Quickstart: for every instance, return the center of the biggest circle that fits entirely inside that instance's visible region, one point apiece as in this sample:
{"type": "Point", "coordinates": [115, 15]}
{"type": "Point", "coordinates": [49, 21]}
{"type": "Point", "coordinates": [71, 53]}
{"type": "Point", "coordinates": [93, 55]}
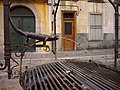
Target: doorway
{"type": "Point", "coordinates": [24, 19]}
{"type": "Point", "coordinates": [68, 30]}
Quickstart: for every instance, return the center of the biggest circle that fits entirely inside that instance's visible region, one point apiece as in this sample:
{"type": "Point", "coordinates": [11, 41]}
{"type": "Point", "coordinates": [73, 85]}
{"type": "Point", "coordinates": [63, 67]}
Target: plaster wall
{"type": "Point", "coordinates": [82, 21]}
{"type": "Point", "coordinates": [1, 31]}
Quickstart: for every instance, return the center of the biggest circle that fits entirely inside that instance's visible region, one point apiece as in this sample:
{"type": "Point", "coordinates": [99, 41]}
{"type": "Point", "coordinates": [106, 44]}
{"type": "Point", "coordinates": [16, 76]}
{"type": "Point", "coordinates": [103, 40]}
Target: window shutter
{"type": "Point", "coordinates": [95, 24]}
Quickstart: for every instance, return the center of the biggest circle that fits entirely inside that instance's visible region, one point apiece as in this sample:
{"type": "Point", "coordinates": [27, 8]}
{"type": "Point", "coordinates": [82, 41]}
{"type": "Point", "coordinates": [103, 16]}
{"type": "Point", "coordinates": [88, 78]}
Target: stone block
{"type": "Point", "coordinates": [10, 84]}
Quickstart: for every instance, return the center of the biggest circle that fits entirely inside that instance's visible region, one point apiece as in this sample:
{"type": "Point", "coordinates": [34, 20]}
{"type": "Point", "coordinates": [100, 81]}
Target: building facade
{"type": "Point", "coordinates": [79, 24]}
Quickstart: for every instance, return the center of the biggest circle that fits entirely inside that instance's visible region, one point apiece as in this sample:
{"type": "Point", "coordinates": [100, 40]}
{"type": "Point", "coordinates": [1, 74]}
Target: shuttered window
{"type": "Point", "coordinates": [95, 27]}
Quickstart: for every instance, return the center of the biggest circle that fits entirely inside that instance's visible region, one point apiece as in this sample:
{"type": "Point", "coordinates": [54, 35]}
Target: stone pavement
{"type": "Point", "coordinates": [69, 54]}
{"type": "Point", "coordinates": [105, 56]}
{"type": "Point", "coordinates": [102, 56]}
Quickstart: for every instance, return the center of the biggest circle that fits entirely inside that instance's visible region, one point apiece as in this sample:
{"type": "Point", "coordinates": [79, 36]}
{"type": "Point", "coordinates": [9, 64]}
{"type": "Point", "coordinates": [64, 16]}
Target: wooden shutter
{"type": "Point", "coordinates": [95, 24]}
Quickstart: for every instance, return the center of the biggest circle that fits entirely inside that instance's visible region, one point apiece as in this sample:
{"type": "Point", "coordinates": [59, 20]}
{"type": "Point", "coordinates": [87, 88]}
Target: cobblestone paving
{"type": "Point", "coordinates": [103, 56]}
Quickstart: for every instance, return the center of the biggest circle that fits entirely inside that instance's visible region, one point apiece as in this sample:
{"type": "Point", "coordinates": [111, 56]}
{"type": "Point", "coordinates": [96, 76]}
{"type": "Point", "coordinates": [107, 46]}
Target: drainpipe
{"type": "Point", "coordinates": [55, 13]}
{"type": "Point", "coordinates": [52, 23]}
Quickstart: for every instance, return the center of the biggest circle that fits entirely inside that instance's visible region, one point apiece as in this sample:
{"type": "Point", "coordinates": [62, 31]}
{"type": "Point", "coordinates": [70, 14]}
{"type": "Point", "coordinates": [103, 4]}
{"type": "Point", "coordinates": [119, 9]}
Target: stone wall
{"type": "Point", "coordinates": [106, 43]}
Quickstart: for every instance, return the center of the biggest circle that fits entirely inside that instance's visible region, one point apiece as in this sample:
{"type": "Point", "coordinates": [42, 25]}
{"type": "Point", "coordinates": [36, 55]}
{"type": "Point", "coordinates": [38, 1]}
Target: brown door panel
{"type": "Point", "coordinates": [68, 39]}
{"type": "Point", "coordinates": [68, 45]}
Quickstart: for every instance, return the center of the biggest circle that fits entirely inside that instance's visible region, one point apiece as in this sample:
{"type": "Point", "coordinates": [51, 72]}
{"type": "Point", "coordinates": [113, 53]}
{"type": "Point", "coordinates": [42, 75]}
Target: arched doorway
{"type": "Point", "coordinates": [24, 19]}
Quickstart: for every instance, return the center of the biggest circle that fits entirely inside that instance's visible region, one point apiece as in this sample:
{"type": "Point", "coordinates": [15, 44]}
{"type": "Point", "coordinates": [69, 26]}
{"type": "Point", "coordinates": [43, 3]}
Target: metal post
{"type": "Point", "coordinates": [52, 26]}
{"type": "Point", "coordinates": [115, 5]}
{"type": "Point", "coordinates": [7, 50]}
{"type": "Point", "coordinates": [55, 13]}
{"type": "Point", "coordinates": [116, 34]}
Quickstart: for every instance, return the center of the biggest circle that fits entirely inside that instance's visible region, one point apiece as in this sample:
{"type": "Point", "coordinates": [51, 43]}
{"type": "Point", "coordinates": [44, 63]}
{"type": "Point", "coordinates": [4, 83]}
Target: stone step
{"type": "Point", "coordinates": [10, 84]}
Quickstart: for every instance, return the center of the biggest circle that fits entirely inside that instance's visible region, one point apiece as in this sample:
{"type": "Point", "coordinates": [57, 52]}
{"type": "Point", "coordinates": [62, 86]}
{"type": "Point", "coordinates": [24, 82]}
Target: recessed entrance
{"type": "Point", "coordinates": [68, 30]}
{"type": "Point", "coordinates": [24, 19]}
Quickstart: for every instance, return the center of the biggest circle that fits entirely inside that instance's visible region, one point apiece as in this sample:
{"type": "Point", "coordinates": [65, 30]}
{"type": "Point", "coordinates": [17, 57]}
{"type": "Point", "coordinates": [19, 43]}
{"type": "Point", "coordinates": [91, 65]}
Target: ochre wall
{"type": "Point", "coordinates": [43, 11]}
{"type": "Point", "coordinates": [1, 31]}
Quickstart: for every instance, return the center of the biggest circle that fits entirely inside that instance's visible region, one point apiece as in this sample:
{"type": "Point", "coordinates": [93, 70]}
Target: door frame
{"type": "Point", "coordinates": [74, 26]}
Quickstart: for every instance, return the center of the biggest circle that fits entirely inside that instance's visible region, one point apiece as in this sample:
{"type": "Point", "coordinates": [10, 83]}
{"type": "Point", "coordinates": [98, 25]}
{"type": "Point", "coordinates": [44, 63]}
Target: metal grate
{"type": "Point", "coordinates": [65, 76]}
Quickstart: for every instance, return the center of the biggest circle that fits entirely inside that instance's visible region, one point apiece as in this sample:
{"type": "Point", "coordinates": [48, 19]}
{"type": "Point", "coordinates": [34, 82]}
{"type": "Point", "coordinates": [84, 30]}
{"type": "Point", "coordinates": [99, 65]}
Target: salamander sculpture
{"type": "Point", "coordinates": [32, 35]}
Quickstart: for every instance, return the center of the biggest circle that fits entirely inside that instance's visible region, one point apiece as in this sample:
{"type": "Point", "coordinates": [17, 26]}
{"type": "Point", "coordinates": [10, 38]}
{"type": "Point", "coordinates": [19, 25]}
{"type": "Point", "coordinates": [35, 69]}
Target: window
{"type": "Point", "coordinates": [68, 15]}
{"type": "Point", "coordinates": [95, 27]}
{"type": "Point", "coordinates": [68, 28]}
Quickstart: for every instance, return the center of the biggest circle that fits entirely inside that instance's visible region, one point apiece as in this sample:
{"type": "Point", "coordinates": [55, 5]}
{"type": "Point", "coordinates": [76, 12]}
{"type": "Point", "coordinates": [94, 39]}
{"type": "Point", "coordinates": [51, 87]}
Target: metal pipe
{"type": "Point", "coordinates": [55, 13]}
{"type": "Point", "coordinates": [7, 49]}
{"type": "Point", "coordinates": [116, 34]}
{"type": "Point", "coordinates": [116, 8]}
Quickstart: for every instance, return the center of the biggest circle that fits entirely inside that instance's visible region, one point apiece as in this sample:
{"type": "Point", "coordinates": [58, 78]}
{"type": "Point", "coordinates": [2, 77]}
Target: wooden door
{"type": "Point", "coordinates": [68, 31]}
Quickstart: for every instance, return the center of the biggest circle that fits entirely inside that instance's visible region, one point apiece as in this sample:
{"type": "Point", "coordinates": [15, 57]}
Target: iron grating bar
{"type": "Point", "coordinates": [26, 79]}
{"type": "Point", "coordinates": [50, 76]}
{"type": "Point", "coordinates": [82, 79]}
{"type": "Point", "coordinates": [34, 80]}
{"type": "Point", "coordinates": [30, 81]}
{"type": "Point", "coordinates": [41, 87]}
{"type": "Point", "coordinates": [42, 79]}
{"type": "Point", "coordinates": [99, 77]}
{"type": "Point", "coordinates": [47, 79]}
{"type": "Point", "coordinates": [55, 78]}
{"type": "Point", "coordinates": [62, 82]}
{"type": "Point", "coordinates": [71, 76]}
{"type": "Point", "coordinates": [94, 81]}
{"type": "Point", "coordinates": [103, 80]}
{"type": "Point", "coordinates": [79, 73]}
{"type": "Point", "coordinates": [64, 77]}
{"type": "Point", "coordinates": [94, 78]}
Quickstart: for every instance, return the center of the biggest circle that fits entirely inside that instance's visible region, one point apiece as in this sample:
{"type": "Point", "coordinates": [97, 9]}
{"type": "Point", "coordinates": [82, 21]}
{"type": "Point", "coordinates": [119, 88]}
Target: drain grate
{"type": "Point", "coordinates": [66, 76]}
